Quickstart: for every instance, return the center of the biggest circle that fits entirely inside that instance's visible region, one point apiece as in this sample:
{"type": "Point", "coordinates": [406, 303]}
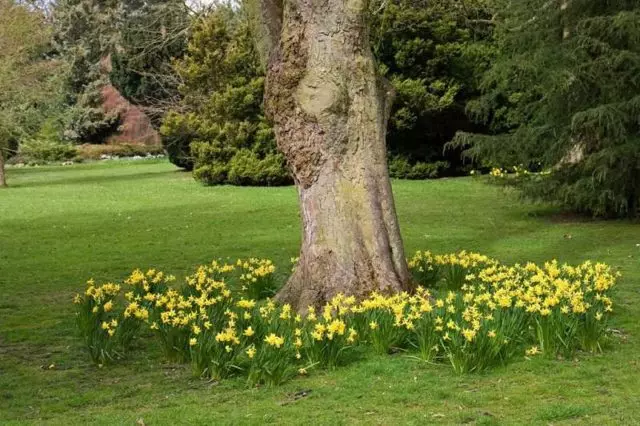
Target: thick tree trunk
{"type": "Point", "coordinates": [3, 178]}
{"type": "Point", "coordinates": [330, 113]}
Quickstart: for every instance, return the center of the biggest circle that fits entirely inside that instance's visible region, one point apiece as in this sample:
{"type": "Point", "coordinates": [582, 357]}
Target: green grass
{"type": "Point", "coordinates": [61, 225]}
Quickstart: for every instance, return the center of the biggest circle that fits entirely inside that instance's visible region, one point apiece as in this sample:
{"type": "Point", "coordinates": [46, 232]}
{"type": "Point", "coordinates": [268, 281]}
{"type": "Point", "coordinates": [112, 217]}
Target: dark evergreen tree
{"type": "Point", "coordinates": [434, 53]}
{"type": "Point", "coordinates": [564, 98]}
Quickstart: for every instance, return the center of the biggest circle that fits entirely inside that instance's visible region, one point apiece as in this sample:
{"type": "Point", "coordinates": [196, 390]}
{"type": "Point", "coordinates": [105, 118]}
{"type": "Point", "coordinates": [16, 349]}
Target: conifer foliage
{"type": "Point", "coordinates": [563, 99]}
{"type": "Point", "coordinates": [220, 130]}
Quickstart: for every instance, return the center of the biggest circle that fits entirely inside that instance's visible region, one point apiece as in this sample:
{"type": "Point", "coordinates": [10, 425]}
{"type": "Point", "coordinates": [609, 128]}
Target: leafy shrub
{"type": "Point", "coordinates": [40, 151]}
{"type": "Point", "coordinates": [97, 151]}
{"type": "Point", "coordinates": [245, 168]}
{"type": "Point", "coordinates": [218, 164]}
{"type": "Point", "coordinates": [401, 168]}
{"type": "Point", "coordinates": [87, 120]}
{"type": "Point", "coordinates": [220, 131]}
{"type": "Point", "coordinates": [496, 313]}
{"type": "Point", "coordinates": [178, 131]}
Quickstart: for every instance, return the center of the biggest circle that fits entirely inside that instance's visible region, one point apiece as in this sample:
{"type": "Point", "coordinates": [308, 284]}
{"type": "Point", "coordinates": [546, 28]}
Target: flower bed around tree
{"type": "Point", "coordinates": [469, 311]}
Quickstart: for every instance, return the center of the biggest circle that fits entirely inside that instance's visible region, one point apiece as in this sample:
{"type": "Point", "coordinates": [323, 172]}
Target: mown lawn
{"type": "Point", "coordinates": [61, 225]}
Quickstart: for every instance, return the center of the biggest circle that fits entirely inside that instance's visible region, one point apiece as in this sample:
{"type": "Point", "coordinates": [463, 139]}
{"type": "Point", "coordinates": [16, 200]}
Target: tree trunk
{"type": "Point", "coordinates": [330, 112]}
{"type": "Point", "coordinates": [3, 178]}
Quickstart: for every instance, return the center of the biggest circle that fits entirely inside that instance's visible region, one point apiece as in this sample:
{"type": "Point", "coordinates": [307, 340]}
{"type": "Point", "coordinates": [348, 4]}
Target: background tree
{"type": "Point", "coordinates": [85, 35]}
{"type": "Point", "coordinates": [25, 74]}
{"type": "Point", "coordinates": [564, 96]}
{"type": "Point", "coordinates": [220, 127]}
{"type": "Point", "coordinates": [330, 110]}
{"type": "Point", "coordinates": [432, 52]}
{"type": "Point", "coordinates": [151, 35]}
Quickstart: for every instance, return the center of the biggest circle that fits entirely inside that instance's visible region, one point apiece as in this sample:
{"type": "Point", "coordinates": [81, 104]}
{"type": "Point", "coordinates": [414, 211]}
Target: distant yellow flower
{"type": "Point", "coordinates": [193, 341]}
{"type": "Point", "coordinates": [373, 325]}
{"type": "Point", "coordinates": [533, 351]}
{"type": "Point", "coordinates": [491, 334]}
{"type": "Point", "coordinates": [352, 335]}
{"type": "Point", "coordinates": [251, 352]}
{"type": "Point", "coordinates": [249, 332]}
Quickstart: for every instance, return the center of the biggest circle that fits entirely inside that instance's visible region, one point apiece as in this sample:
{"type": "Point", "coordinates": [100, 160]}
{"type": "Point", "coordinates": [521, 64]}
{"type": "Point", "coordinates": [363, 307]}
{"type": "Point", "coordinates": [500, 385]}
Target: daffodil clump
{"type": "Point", "coordinates": [103, 327]}
{"type": "Point", "coordinates": [257, 276]}
{"type": "Point", "coordinates": [448, 271]}
{"type": "Point", "coordinates": [552, 309]}
{"type": "Point", "coordinates": [513, 171]}
{"type": "Point", "coordinates": [470, 311]}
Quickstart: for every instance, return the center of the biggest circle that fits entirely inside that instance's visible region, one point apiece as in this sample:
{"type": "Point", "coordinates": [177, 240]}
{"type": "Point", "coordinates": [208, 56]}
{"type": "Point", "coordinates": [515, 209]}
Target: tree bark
{"type": "Point", "coordinates": [3, 177]}
{"type": "Point", "coordinates": [330, 112]}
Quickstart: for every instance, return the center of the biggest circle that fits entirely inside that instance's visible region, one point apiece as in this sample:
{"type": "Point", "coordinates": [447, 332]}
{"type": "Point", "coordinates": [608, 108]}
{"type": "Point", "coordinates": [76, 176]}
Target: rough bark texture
{"type": "Point", "coordinates": [330, 113]}
{"type": "Point", "coordinates": [3, 178]}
